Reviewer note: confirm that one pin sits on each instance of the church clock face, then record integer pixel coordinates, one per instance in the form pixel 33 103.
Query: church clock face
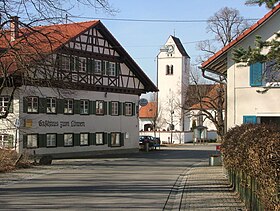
pixel 170 48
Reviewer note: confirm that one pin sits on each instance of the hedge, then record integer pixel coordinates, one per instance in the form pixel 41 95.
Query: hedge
pixel 254 150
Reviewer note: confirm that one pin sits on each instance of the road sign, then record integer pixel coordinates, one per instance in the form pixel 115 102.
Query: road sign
pixel 143 102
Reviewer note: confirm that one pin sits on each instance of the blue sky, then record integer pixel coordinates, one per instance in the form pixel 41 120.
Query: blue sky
pixel 142 40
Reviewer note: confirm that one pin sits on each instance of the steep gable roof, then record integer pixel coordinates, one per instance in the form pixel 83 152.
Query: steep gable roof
pixel 180 46
pixel 220 67
pixel 46 39
pixel 36 42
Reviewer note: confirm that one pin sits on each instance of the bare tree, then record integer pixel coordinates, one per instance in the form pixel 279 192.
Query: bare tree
pixel 48 10
pixel 225 25
pixel 209 101
pixel 19 53
pixel 157 120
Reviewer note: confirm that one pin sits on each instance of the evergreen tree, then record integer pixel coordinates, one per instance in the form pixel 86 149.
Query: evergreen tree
pixel 269 3
pixel 256 54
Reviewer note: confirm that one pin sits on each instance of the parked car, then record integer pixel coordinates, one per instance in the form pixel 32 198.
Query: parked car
pixel 146 139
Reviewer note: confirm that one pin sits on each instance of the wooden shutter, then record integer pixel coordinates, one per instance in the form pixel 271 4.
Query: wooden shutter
pixel 109 139
pixel 93 107
pixel 105 107
pixel 24 139
pixel 256 74
pixel 72 63
pixel 60 140
pixel 77 105
pixel 122 139
pixel 105 138
pixel 90 107
pixel 25 100
pixel 42 105
pixel 118 68
pixel 110 108
pixel 89 67
pixel 249 119
pixel 133 109
pixel 60 106
pixel 76 139
pixel 92 138
pixel 120 108
pixel 11 108
pixel 42 140
pixel 123 108
pixel 103 66
pixel 77 63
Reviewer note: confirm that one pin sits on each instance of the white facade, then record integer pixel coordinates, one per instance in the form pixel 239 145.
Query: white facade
pixel 243 99
pixel 173 66
pixel 42 123
pixel 248 101
pixel 90 107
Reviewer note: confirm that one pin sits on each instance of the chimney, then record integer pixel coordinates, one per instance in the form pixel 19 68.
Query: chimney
pixel 14 27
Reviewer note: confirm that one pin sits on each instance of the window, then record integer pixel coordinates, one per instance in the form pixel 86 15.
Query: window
pixel 68 139
pixel 84 107
pixel 99 138
pixel 128 109
pixel 97 67
pixel 4 100
pixel 65 62
pixel 167 70
pixel 171 69
pixel 51 140
pixel 264 74
pixel 51 105
pixel 32 104
pixel 68 106
pixel 271 74
pixel 111 68
pixel 99 107
pixel 32 141
pixel 6 141
pixel 84 139
pixel 114 108
pixel 270 120
pixel 115 139
pixel 82 67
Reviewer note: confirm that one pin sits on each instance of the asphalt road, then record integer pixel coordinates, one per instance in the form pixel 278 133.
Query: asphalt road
pixel 145 181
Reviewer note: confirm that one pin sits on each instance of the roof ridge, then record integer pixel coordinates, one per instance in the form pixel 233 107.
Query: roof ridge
pixel 66 24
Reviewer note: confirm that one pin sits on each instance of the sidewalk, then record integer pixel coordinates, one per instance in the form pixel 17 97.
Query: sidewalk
pixel 207 188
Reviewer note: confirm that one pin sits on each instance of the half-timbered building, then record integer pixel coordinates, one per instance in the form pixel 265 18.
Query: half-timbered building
pixel 72 91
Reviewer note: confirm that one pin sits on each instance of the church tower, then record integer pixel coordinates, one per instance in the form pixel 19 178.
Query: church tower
pixel 173 67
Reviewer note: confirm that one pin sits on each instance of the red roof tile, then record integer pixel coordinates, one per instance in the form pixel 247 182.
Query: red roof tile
pixel 37 42
pixel 242 36
pixel 148 111
pixel 47 38
pixel 210 101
